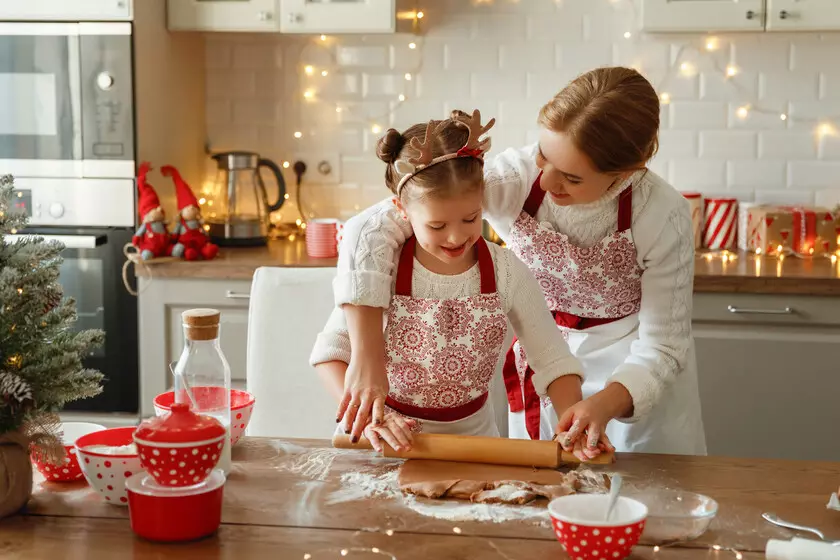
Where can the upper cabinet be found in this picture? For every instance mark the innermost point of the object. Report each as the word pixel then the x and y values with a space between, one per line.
pixel 803 15
pixel 337 16
pixel 740 15
pixel 702 15
pixel 64 10
pixel 222 15
pixel 286 16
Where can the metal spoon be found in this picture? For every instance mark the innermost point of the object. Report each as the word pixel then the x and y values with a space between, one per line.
pixel 615 488
pixel 774 519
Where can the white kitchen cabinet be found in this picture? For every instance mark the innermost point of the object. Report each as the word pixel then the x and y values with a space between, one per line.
pixel 222 15
pixel 803 15
pixel 768 373
pixel 161 302
pixel 66 10
pixel 337 16
pixel 703 15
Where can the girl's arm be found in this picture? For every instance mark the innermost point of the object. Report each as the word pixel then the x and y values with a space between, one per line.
pixel 557 373
pixel 331 354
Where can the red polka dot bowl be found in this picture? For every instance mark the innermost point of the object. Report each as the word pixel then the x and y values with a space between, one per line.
pixel 180 448
pixel 241 407
pixel 107 458
pixel 579 525
pixel 67 470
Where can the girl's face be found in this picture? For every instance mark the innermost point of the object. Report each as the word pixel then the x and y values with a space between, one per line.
pixel 446 228
pixel 568 174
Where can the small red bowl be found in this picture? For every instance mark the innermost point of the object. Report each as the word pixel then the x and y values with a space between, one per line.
pixel 68 470
pixel 241 407
pixel 164 514
pixel 579 525
pixel 107 472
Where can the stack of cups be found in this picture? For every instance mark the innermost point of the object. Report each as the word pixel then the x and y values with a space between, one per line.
pixel 322 238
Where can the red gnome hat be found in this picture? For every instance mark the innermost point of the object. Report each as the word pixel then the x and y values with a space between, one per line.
pixel 182 190
pixel 147 198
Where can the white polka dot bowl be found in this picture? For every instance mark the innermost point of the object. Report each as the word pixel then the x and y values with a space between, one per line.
pixel 108 458
pixel 181 448
pixel 579 525
pixel 241 407
pixel 68 470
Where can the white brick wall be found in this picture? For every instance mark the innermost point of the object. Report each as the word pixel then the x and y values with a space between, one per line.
pixel 507 57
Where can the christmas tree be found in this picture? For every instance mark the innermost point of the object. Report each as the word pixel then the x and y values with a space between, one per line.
pixel 40 354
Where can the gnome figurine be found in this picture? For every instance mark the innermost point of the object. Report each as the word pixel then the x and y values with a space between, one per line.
pixel 192 242
pixel 151 239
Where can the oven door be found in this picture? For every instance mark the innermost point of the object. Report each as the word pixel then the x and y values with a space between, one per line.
pixel 91 273
pixel 68 93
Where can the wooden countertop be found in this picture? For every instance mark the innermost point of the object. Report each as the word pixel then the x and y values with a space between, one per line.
pixel 743 274
pixel 272 506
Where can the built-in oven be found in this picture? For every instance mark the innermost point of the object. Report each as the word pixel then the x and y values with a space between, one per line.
pixel 67 107
pixel 67 136
pixel 91 274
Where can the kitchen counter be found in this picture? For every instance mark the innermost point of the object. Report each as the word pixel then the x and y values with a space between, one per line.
pixel 743 274
pixel 278 503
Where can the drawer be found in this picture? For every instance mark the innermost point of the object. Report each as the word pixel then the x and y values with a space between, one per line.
pixel 766 309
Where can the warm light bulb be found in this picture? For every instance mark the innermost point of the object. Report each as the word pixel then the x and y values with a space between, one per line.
pixel 286 165
pixel 412 45
pixel 408 76
pixel 420 15
pixel 202 200
pixel 783 117
pixel 298 134
pixel 665 98
pixel 687 69
pixel 779 249
pixel 826 129
pixel 308 94
pixel 627 34
pixel 323 37
pixel 656 549
pixel 731 71
pixel 717 547
pixel 833 259
pixel 376 129
pixel 456 530
pixel 338 109
pixel 298 222
pixel 743 112
pixel 401 97
pixel 209 203
pixel 758 251
pixel 309 70
pixel 712 44
pixel 324 73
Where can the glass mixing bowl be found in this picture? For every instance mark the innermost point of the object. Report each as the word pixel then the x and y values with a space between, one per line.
pixel 674 515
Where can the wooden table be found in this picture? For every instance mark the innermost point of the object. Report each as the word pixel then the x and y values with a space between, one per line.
pixel 273 510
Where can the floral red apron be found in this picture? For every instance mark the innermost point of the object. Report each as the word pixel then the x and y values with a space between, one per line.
pixel 442 353
pixel 583 287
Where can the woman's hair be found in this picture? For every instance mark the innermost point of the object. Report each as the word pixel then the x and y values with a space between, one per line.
pixel 447 178
pixel 611 115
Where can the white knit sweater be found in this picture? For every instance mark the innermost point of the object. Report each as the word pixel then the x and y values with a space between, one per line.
pixel 661 230
pixel 522 302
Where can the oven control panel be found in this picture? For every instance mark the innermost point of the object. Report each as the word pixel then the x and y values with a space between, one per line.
pixel 76 202
pixel 22 202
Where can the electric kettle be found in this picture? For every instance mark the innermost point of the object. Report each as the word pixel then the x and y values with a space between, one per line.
pixel 241 217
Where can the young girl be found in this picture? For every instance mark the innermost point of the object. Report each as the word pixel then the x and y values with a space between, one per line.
pixel 611 245
pixel 453 294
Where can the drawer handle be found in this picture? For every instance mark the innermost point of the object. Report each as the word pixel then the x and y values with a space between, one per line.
pixel 230 294
pixel 744 310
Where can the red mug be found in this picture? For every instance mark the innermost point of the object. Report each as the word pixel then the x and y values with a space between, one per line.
pixel 322 237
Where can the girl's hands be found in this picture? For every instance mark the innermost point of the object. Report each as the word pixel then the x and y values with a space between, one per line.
pixel 396 431
pixel 582 427
pixel 365 391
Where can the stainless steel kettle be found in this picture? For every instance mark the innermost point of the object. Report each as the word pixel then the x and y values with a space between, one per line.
pixel 241 217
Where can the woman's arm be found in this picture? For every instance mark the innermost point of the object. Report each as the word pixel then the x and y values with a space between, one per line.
pixel 661 351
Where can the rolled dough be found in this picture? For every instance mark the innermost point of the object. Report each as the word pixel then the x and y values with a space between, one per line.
pixel 490 484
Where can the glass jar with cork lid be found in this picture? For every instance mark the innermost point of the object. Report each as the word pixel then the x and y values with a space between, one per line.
pixel 202 374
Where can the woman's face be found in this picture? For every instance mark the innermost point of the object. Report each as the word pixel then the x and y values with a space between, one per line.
pixel 568 174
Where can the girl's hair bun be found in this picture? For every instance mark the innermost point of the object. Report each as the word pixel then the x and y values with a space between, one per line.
pixel 389 146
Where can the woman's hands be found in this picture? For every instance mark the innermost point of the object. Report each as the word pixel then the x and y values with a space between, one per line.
pixel 582 428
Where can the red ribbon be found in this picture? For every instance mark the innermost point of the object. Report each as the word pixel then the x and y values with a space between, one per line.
pixel 472 152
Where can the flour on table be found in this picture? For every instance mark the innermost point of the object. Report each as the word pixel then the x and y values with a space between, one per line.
pixel 314 464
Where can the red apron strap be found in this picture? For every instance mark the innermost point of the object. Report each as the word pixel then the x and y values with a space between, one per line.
pixel 485 267
pixel 511 377
pixel 532 406
pixel 625 209
pixel 535 198
pixel 406 267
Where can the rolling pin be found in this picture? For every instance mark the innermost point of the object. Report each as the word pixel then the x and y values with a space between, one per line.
pixel 474 449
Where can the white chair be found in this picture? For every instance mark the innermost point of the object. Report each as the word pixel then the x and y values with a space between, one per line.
pixel 288 308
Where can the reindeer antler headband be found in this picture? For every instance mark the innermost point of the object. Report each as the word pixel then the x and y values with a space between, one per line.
pixel 474 147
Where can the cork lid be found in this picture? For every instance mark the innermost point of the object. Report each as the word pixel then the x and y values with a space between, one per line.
pixel 201 324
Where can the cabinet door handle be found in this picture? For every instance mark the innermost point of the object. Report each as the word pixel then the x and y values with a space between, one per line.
pixel 230 294
pixel 747 311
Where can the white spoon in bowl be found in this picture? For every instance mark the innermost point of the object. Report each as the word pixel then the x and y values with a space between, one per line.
pixel 615 489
